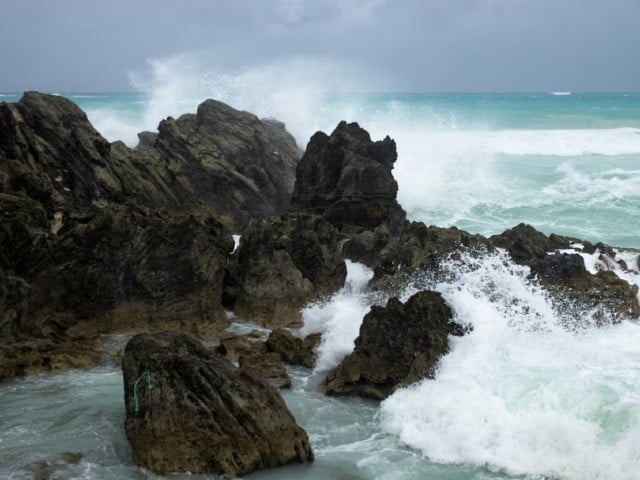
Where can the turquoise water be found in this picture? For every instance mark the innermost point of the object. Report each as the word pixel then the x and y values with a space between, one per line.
pixel 521 397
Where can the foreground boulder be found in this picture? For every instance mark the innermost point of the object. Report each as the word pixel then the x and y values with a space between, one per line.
pixel 283 263
pixel 398 345
pixel 347 178
pixel 190 411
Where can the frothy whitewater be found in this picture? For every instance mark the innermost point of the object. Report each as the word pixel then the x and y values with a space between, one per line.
pixel 535 391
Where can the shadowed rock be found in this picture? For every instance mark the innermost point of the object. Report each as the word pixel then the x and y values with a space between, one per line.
pixel 198 413
pixel 283 263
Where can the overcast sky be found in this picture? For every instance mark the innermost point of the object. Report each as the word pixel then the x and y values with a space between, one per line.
pixel 414 45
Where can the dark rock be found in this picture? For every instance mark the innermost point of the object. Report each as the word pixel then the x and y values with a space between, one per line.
pixel 268 367
pixel 230 161
pixel 236 346
pixel 347 178
pixel 398 345
pixel 294 350
pixel 283 263
pixel 198 413
pixel 365 247
pixel 527 245
pixel 147 139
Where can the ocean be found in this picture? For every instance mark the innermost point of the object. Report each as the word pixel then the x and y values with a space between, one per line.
pixel 528 394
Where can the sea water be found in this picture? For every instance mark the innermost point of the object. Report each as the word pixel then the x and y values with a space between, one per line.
pixel 535 391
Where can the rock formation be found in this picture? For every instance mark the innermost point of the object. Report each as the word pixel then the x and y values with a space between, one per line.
pixel 96 237
pixel 398 345
pixel 347 178
pixel 190 411
pixel 283 263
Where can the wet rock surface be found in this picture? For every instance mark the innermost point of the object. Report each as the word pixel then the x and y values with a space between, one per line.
pixel 198 413
pixel 398 345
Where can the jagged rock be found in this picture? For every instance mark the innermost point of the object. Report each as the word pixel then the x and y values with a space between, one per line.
pixel 365 247
pixel 420 248
pixel 398 345
pixel 283 263
pixel 565 275
pixel 268 367
pixel 198 413
pixel 294 350
pixel 236 346
pixel 347 178
pixel 230 161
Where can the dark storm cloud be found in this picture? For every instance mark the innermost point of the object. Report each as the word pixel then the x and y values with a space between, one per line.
pixel 424 45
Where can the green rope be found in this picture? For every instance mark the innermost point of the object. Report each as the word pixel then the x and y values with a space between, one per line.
pixel 146 373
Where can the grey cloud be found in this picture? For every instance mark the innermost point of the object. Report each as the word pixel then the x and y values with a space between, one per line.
pixel 423 45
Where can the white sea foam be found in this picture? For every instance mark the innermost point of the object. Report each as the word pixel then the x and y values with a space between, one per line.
pixel 561 94
pixel 339 318
pixel 522 393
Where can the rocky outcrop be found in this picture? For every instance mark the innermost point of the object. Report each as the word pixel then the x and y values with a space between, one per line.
pixel 398 345
pixel 190 411
pixel 347 178
pixel 564 273
pixel 97 237
pixel 283 263
pixel 294 350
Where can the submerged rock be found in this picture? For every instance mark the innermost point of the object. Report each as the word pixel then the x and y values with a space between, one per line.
pixel 347 178
pixel 398 345
pixel 190 411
